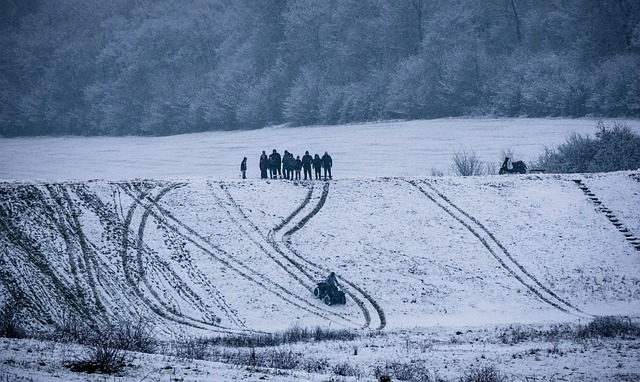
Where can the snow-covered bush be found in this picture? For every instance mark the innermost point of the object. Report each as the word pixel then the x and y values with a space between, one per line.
pixel 615 148
pixel 467 163
pixel 124 335
pixel 71 329
pixel 191 348
pixel 291 335
pixel 611 326
pixel 10 325
pixel 414 371
pixel 103 354
pixel 108 344
pixel 483 374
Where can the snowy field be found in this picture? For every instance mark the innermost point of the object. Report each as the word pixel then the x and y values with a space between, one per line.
pixel 371 150
pixel 441 272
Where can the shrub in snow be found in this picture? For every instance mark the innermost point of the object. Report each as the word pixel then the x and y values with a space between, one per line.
pixel 414 371
pixel 10 325
pixel 483 374
pixel 467 164
pixel 347 370
pixel 107 345
pixel 103 354
pixel 136 336
pixel 614 148
pixel 611 326
pixel 292 335
pixel 192 348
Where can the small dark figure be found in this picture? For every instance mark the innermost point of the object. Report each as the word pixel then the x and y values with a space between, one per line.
pixel 298 167
pixel 243 168
pixel 264 163
pixel 518 167
pixel 287 165
pixel 317 165
pixel 307 161
pixel 329 291
pixel 331 280
pixel 327 163
pixel 271 167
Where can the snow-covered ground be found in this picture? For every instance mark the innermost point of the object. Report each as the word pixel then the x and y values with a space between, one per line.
pixel 439 268
pixel 411 148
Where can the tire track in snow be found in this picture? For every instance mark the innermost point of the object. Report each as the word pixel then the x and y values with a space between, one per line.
pixel 160 310
pixel 71 215
pixel 304 281
pixel 275 237
pixel 31 197
pixel 308 268
pixel 171 277
pixel 148 204
pixel 498 251
pixel 363 298
pixel 112 224
pixel 217 253
pixel 195 273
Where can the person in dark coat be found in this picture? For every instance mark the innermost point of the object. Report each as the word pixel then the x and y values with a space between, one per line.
pixel 243 168
pixel 298 167
pixel 276 162
pixel 287 165
pixel 327 163
pixel 332 281
pixel 264 162
pixel 307 161
pixel 317 165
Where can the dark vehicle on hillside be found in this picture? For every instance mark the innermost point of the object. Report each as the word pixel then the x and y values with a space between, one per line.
pixel 330 294
pixel 518 167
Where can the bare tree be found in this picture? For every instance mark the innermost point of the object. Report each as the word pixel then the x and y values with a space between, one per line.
pixel 466 163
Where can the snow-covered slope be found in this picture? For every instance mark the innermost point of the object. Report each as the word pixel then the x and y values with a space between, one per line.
pixel 450 268
pixel 210 256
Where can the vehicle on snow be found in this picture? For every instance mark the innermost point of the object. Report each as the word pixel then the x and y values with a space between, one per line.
pixel 518 167
pixel 330 294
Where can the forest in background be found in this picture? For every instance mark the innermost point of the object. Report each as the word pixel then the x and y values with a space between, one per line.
pixel 135 67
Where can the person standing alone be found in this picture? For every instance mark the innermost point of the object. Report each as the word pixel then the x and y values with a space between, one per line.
pixel 243 168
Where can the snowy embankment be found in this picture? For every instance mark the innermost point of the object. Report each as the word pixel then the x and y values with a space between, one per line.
pixel 441 264
pixel 207 257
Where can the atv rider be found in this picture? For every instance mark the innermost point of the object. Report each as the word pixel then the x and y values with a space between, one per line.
pixel 332 281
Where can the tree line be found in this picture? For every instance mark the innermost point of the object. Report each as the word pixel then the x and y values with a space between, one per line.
pixel 120 67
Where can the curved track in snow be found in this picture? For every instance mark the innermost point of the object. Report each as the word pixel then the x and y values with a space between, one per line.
pixel 309 271
pixel 263 244
pixel 136 271
pixel 151 206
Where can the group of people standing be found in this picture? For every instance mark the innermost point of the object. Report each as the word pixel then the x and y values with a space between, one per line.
pixel 288 166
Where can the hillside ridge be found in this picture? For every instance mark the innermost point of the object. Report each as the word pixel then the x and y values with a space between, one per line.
pixel 231 256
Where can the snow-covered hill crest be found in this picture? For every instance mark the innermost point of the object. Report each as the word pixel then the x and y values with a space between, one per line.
pixel 210 256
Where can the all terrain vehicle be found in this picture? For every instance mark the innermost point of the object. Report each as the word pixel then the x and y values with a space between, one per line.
pixel 518 167
pixel 329 294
